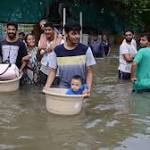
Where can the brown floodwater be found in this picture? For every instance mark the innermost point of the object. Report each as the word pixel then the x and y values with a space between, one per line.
pixel 113 118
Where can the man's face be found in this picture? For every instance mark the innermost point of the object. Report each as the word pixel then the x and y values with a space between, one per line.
pixel 49 32
pixel 144 42
pixel 75 84
pixel 128 36
pixel 11 32
pixel 95 37
pixel 74 36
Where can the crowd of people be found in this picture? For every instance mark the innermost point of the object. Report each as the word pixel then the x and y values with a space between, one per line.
pixel 134 64
pixel 54 61
pixel 100 45
pixel 62 60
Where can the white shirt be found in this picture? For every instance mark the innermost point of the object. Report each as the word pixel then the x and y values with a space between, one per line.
pixel 126 48
pixel 46 59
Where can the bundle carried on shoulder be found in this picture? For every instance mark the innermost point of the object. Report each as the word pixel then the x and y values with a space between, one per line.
pixel 8 72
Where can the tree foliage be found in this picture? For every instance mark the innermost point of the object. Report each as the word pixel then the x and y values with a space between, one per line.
pixel 127 13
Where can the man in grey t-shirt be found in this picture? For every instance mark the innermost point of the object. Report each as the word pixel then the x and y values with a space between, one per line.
pixel 12 50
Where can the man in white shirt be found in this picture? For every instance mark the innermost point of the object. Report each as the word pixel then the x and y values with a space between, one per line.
pixel 128 50
pixel 46 46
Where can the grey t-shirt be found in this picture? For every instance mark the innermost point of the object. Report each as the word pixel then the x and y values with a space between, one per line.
pixel 12 52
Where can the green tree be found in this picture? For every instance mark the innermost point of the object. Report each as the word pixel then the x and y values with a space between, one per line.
pixel 121 13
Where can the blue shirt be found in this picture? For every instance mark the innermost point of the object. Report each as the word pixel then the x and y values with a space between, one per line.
pixel 79 92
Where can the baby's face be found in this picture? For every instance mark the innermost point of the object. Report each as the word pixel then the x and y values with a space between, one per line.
pixel 75 84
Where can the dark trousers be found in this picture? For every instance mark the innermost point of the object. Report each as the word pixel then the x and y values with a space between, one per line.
pixel 124 75
pixel 42 78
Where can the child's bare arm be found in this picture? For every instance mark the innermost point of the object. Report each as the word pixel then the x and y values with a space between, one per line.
pixel 26 58
pixel 24 63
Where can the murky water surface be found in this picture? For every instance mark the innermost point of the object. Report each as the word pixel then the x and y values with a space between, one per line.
pixel 113 118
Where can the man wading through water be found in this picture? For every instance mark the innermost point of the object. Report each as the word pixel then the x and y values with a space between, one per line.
pixel 128 50
pixel 12 50
pixel 71 58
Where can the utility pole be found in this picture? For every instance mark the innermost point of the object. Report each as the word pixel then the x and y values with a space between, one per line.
pixel 81 15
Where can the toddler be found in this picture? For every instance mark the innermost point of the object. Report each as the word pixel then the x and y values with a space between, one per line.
pixel 77 88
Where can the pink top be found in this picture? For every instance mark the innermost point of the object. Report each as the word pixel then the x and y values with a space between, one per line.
pixel 42 42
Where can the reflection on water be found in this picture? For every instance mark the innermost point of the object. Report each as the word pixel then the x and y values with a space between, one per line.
pixel 112 119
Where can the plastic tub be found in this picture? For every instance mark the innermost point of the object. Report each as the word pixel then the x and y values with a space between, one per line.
pixel 57 102
pixel 10 85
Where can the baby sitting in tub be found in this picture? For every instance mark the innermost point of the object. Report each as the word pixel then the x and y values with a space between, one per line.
pixel 77 88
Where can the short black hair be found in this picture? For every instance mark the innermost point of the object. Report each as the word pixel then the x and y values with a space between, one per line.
pixel 49 24
pixel 78 77
pixel 147 36
pixel 72 26
pixel 128 30
pixel 21 33
pixel 12 24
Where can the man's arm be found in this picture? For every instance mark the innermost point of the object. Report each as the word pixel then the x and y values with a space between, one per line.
pixel 128 58
pixel 109 51
pixel 89 80
pixel 137 60
pixel 0 53
pixel 50 79
pixel 133 72
pixel 90 61
pixel 125 53
pixel 24 63
pixel 52 61
pixel 22 53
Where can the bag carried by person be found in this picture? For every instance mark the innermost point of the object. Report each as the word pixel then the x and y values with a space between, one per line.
pixel 8 71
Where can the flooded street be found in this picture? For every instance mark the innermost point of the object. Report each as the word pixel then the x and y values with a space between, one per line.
pixel 113 118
